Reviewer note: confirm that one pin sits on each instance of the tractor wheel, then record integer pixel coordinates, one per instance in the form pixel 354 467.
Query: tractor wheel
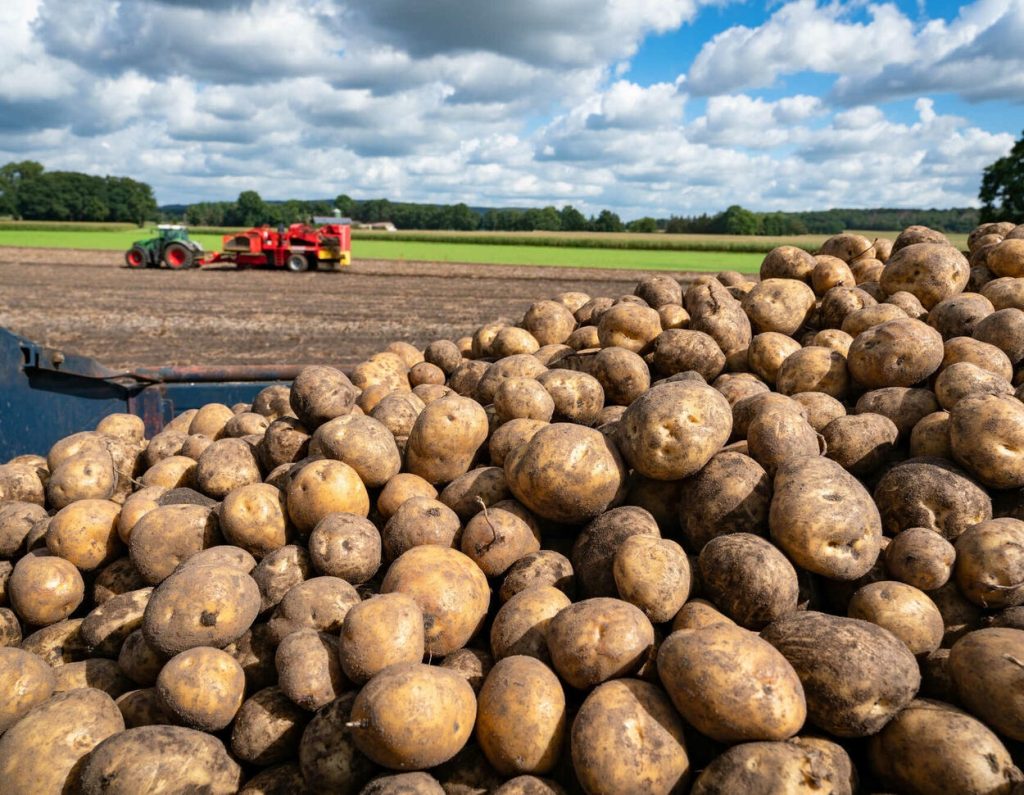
pixel 297 263
pixel 178 256
pixel 136 257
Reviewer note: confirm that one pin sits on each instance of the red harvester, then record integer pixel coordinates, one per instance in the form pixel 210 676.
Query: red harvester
pixel 298 247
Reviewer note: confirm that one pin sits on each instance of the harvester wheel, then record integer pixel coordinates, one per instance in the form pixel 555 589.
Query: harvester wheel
pixel 178 256
pixel 136 257
pixel 297 263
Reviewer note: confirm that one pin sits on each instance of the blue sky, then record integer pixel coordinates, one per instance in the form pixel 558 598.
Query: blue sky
pixel 647 107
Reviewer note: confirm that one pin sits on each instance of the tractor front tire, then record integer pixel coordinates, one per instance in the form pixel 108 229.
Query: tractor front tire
pixel 136 257
pixel 178 256
pixel 297 263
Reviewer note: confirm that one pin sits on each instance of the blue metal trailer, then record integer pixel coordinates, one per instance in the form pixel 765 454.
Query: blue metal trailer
pixel 46 394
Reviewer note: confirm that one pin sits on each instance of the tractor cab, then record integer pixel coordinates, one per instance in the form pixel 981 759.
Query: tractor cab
pixel 169 232
pixel 171 248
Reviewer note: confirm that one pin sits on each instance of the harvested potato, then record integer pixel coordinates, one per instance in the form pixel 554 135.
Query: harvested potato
pixel 10 628
pixel 319 603
pixel 25 682
pixel 861 443
pixel 279 571
pixel 323 487
pixel 748 579
pixel 107 626
pixel 652 574
pixel 365 444
pixel 495 539
pixel 308 669
pixel 483 484
pixel 135 507
pixel 790 767
pixel 327 752
pixel 814 369
pixel 517 734
pixel 445 439
pixel 169 535
pixel 683 350
pixel 931 271
pixel 138 660
pixel 57 644
pixel 714 311
pixel 768 351
pixel 523 398
pixel 509 436
pixel 788 262
pixel 990 563
pixel 957 316
pixel 629 326
pixel 1005 330
pixel 856 323
pixel 896 353
pixel 903 610
pixel 210 420
pixel 577 397
pixel 520 626
pixel 320 394
pixel 202 688
pixel 545 567
pixel 255 518
pixel 417 522
pixel 821 409
pixel 831 272
pixel 273 402
pixel 285 442
pixel 450 589
pixel 986 669
pixel 963 380
pixel 379 632
pixel 598 639
pixel 780 305
pixel 594 550
pixel 96 673
pixel 426 373
pixel 413 716
pixel 778 435
pixel 44 589
pixel 903 405
pixel 347 546
pixel 856 676
pixel 1006 259
pixel 930 437
pixel 921 558
pixel 88 475
pixel 986 435
pixel 178 471
pixel 731 494
pixel 731 685
pixel 142 708
pixel 16 520
pixel 402 487
pixel 839 303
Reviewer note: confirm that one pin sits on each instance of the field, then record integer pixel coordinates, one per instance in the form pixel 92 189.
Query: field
pixel 86 302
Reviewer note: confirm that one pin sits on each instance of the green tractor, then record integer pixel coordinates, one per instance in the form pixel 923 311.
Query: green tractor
pixel 171 248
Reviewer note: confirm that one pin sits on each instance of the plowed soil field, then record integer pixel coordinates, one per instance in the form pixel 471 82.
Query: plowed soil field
pixel 86 302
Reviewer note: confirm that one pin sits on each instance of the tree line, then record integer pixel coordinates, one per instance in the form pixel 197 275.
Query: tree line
pixel 28 191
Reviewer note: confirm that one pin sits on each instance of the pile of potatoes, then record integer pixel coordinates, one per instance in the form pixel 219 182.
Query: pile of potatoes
pixel 720 536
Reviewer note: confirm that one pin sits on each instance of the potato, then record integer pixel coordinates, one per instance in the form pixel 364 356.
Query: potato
pixel 778 435
pixel 629 326
pixel 169 758
pixel 25 682
pixel 169 535
pixel 523 398
pixel 44 589
pixel 273 402
pixel 508 437
pixel 921 558
pixel 138 660
pixel 107 626
pixel 957 316
pixel 903 610
pixel 450 589
pixel 323 487
pixel 792 767
pixel 861 443
pixel 279 571
pixel 895 353
pixel 838 303
pixel 520 626
pixel 413 716
pixel 714 311
pixel 682 350
pixel 594 550
pixel 731 685
pixel 674 429
pixel 824 519
pixel 10 628
pixel 426 373
pixel 379 632
pixel 577 397
pixel 830 272
pixel 320 394
pixel 464 494
pixel 538 569
pixel 445 439
pixel 931 747
pixel 780 305
pixel 142 708
pixel 909 304
pixel 96 673
pixel 674 316
pixel 255 518
pixel 308 670
pixel 417 522
pixel 210 420
pixel 1005 293
pixel 85 476
pixel 963 379
pixel 731 494
pixel 598 639
pixel 821 409
pixel 404 784
pixel 636 718
pixel 177 471
pixel 986 435
pixel 903 405
pixel 516 734
pixel 519 366
pixel 986 670
pixel 465 379
pixel 566 473
pixel 286 441
pixel 856 323
pixel 402 487
pixel 930 271
pixel 319 603
pixel 327 753
pixel 135 507
pixel 788 262
pixel 202 688
pixel 748 579
pixel 511 340
pixel 1004 330
pixel 255 651
pixel 16 520
pixel 814 369
pixel 364 443
pixel 1007 258
pixel 473 665
pixel 652 574
pixel 768 351
pixel 68 726
pixel 990 563
pixel 347 546
pixel 166 443
pixel 200 606
pixel 85 533
pixel 57 644
pixel 495 539
pixel 930 436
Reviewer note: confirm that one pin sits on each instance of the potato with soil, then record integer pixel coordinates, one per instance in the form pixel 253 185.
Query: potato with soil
pixel 902 609
pixel 795 767
pixel 10 628
pixel 200 606
pixel 921 558
pixel 714 311
pixel 1005 330
pixel 598 639
pixel 381 631
pixel 861 443
pixel 578 397
pixel 545 567
pixel 903 405
pixel 445 439
pixel 323 487
pixel 483 484
pixel 682 350
pixel 566 473
pixel 830 272
pixel 308 669
pixel 135 507
pixel 731 685
pixel 413 716
pixel 107 626
pixel 856 676
pixel 987 357
pixel 44 751
pixel 88 475
pixel 957 316
pixel 520 626
pixel 824 519
pixel 25 682
pixel 731 494
pixel 550 322
pixel 932 747
pixel 255 518
pixel 497 537
pixel 523 398
pixel 637 719
pixel 202 688
pixel 327 753
pixel 44 589
pixel 788 262
pixel 748 579
pixel 630 326
pixel 930 271
pixel 286 441
pixel 593 551
pixel 450 589
pixel 623 375
pixel 986 434
pixel 16 520
pixel 177 471
pixel 210 420
pixel 986 669
pixel 768 351
pixel 779 305
pixel 279 571
pixel 512 340
pixel 95 672
pixel 168 535
pixel 320 603
pixel 990 563
pixel 896 353
pixel 778 435
pixel 347 546
pixel 320 394
pixel 652 574
pixel 674 429
pixel 365 444
pixel 963 380
pixel 814 369
pixel 521 717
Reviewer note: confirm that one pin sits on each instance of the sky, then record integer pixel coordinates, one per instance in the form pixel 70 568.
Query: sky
pixel 646 107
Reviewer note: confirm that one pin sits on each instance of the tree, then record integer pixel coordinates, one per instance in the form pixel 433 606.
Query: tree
pixel 1002 187
pixel 645 224
pixel 345 204
pixel 738 221
pixel 249 210
pixel 608 221
pixel 11 176
pixel 572 219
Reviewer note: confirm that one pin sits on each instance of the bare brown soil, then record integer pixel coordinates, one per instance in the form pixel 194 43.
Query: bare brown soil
pixel 86 302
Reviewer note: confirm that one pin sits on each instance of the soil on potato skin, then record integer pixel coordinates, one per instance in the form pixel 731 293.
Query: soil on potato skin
pixel 88 302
